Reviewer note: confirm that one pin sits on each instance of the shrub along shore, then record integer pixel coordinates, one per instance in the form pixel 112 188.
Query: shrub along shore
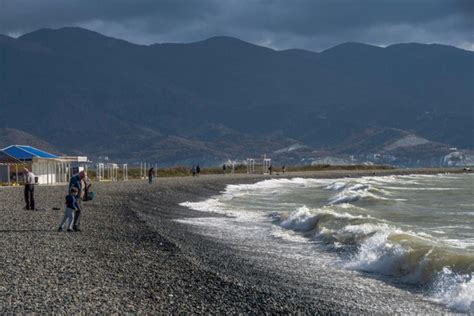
pixel 182 171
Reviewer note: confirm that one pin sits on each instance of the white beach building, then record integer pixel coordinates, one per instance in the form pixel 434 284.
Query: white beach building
pixel 48 168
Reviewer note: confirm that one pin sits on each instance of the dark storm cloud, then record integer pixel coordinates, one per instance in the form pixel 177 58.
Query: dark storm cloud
pixel 310 24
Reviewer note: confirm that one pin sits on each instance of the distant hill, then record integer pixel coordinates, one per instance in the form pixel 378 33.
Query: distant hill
pixel 223 98
pixel 10 136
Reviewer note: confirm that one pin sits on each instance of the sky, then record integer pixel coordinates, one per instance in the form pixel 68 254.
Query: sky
pixel 280 24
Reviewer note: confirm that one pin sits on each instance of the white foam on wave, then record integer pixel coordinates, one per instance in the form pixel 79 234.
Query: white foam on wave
pixel 218 204
pixel 300 220
pixel 289 235
pixel 375 254
pixel 354 193
pixel 384 180
pixel 364 229
pixel 422 176
pixel 420 189
pixel 269 187
pixel 378 254
pixel 346 197
pixel 454 290
pixel 214 205
pixel 459 244
pixel 209 205
pixel 211 222
pixel 304 219
pixel 275 184
pixel 335 186
pixel 375 250
pixel 350 190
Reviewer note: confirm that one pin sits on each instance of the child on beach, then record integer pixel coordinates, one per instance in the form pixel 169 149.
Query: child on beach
pixel 71 207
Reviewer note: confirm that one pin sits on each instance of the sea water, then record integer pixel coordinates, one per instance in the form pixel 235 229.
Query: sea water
pixel 414 230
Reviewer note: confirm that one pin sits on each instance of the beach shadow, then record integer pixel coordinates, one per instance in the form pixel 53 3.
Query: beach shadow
pixel 24 230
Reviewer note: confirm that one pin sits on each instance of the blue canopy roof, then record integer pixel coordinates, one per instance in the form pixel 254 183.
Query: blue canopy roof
pixel 21 152
pixel 6 159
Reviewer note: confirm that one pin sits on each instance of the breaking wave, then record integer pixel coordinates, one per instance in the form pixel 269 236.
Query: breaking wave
pixel 348 224
pixel 371 245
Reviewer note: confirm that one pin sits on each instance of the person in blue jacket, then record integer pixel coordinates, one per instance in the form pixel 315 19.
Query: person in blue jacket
pixel 71 207
pixel 76 182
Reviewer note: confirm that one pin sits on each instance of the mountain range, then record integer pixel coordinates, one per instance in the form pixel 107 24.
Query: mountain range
pixel 81 92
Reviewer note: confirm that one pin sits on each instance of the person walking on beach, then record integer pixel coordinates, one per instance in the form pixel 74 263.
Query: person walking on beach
pixel 151 174
pixel 193 170
pixel 78 183
pixel 86 184
pixel 224 168
pixel 29 189
pixel 283 169
pixel 71 207
pixel 270 169
pixel 198 170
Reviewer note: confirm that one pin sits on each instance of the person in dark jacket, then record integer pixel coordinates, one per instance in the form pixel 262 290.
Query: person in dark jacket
pixel 151 174
pixel 29 189
pixel 76 182
pixel 71 207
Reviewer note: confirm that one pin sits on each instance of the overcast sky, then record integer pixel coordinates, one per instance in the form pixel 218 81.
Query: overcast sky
pixel 280 24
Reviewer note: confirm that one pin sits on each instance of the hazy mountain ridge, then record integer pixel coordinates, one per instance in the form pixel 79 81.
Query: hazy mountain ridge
pixel 10 136
pixel 125 94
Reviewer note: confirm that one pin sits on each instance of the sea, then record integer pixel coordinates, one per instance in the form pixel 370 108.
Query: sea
pixel 414 233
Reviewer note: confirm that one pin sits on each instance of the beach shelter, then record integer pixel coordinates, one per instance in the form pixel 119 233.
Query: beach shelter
pixel 45 166
pixel 6 159
pixel 7 163
pixel 27 153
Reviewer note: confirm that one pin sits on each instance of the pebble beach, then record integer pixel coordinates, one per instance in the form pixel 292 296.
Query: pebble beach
pixel 133 257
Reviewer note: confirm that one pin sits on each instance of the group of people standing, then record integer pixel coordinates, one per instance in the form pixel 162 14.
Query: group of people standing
pixel 195 170
pixel 77 192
